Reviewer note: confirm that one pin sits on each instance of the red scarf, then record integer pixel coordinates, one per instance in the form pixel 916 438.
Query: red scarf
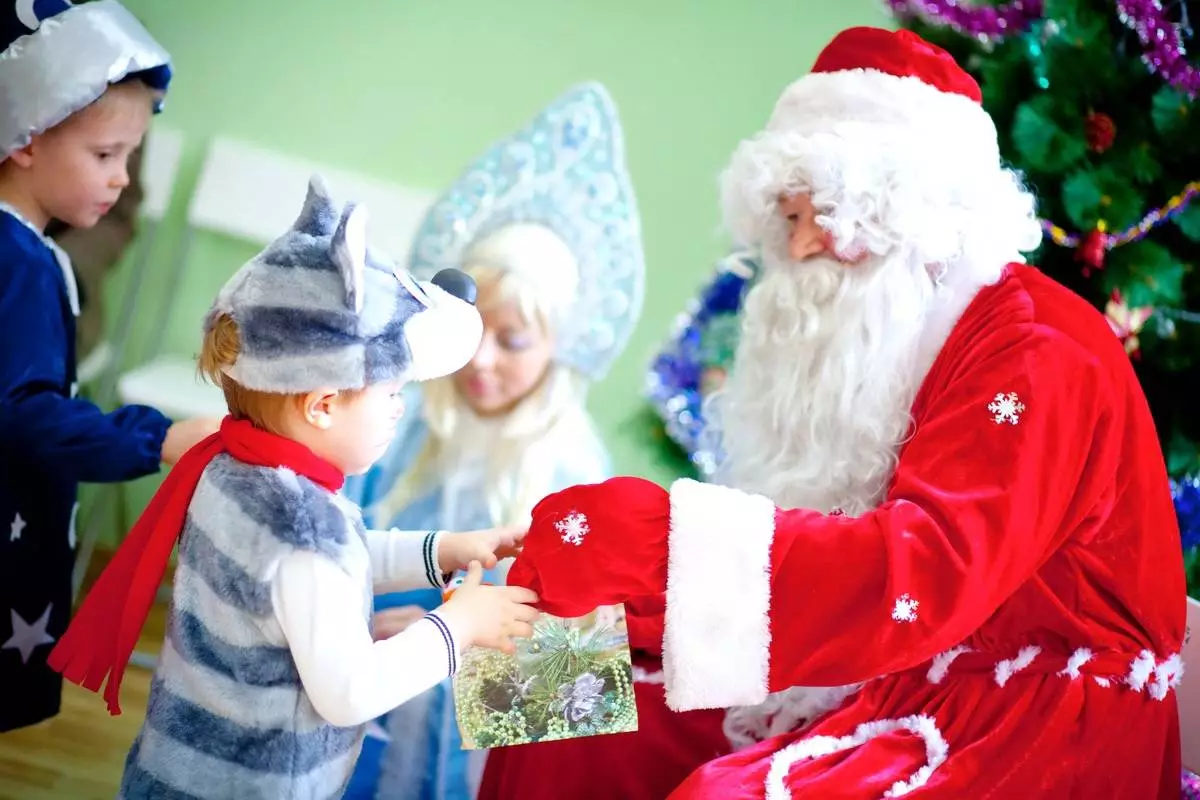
pixel 104 632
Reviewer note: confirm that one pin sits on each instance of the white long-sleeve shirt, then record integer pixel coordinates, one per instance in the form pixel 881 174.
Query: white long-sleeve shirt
pixel 349 678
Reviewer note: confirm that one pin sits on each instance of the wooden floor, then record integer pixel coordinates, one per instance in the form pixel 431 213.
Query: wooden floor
pixel 79 754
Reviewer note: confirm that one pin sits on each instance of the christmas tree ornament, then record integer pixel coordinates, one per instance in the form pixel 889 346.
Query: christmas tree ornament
pixel 1126 322
pixel 1191 785
pixel 1101 131
pixel 1092 249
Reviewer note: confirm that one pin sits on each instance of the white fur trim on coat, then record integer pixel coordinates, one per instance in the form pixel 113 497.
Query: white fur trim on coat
pixel 717 633
pixel 922 725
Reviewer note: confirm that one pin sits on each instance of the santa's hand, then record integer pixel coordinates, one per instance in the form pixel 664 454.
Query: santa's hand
pixel 596 545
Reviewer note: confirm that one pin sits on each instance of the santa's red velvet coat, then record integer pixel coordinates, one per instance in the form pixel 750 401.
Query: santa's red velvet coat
pixel 1015 606
pixel 1020 589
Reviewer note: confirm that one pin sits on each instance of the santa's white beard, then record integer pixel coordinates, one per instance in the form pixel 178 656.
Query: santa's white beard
pixel 817 406
pixel 830 358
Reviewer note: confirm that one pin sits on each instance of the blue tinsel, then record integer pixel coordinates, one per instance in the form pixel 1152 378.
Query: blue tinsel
pixel 673 383
pixel 1186 494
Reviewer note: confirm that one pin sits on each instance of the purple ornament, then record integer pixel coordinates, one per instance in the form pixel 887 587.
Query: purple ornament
pixel 1190 786
pixel 986 23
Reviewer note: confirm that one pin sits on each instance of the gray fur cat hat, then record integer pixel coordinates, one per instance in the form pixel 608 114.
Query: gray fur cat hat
pixel 319 309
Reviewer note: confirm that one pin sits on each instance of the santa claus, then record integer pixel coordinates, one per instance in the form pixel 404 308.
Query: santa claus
pixel 941 480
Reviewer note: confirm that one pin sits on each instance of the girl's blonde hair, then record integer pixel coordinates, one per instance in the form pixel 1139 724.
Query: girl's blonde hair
pixel 545 424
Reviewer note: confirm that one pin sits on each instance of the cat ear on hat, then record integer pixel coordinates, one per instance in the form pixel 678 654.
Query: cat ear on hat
pixel 349 251
pixel 319 216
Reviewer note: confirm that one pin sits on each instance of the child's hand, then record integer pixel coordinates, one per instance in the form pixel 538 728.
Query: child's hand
pixel 391 621
pixel 490 616
pixel 184 435
pixel 457 550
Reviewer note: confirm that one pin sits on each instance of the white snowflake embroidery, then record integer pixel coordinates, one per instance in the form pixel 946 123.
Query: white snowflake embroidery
pixel 1006 408
pixel 905 609
pixel 573 528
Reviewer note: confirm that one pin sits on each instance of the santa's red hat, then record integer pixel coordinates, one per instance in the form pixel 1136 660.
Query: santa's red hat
pixel 901 54
pixel 896 78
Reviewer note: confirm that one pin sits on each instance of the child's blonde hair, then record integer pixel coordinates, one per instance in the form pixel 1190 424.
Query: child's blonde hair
pixel 220 349
pixel 535 435
pixel 221 346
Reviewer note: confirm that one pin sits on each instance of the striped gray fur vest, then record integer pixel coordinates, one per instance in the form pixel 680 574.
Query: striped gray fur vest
pixel 228 718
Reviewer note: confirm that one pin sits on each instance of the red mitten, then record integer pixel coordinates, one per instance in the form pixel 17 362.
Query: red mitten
pixel 596 545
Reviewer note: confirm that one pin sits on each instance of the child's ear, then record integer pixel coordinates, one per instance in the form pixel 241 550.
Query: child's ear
pixel 23 158
pixel 318 408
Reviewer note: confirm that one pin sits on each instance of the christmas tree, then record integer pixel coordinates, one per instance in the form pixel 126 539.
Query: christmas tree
pixel 1094 102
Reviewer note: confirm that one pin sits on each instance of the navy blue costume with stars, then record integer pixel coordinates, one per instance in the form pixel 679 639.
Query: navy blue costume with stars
pixel 50 440
pixel 49 443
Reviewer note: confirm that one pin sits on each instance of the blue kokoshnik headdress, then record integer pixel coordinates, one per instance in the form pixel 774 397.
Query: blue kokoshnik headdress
pixel 565 171
pixel 57 58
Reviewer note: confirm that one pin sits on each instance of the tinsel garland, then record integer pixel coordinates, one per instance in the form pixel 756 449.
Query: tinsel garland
pixel 1163 48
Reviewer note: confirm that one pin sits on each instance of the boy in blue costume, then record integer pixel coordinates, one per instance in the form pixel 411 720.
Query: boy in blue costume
pixel 78 85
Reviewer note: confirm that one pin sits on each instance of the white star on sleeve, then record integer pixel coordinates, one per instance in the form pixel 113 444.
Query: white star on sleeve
pixel 14 530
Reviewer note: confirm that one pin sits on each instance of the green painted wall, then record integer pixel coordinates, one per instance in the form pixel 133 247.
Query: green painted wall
pixel 409 91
